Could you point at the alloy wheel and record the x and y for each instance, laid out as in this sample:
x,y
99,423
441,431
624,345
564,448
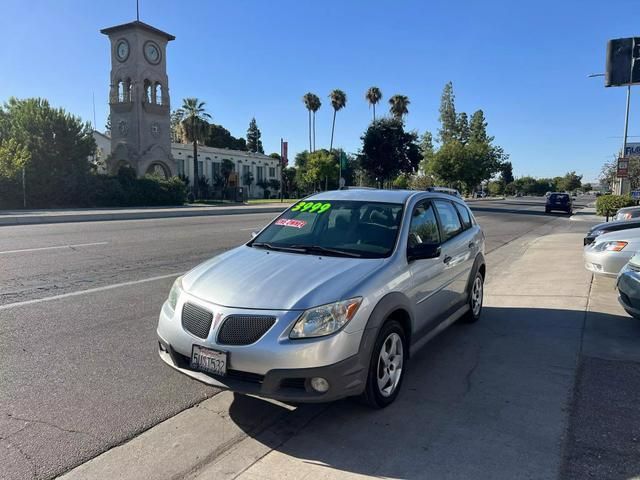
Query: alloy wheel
x,y
476,296
390,363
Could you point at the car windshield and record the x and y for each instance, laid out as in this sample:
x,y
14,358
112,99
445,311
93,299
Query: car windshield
x,y
335,228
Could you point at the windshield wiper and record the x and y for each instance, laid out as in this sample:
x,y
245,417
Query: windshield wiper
x,y
326,250
269,246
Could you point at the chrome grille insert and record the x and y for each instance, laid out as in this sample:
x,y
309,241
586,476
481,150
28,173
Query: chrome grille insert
x,y
244,329
196,320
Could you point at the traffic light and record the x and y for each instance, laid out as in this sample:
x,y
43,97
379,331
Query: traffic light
x,y
623,55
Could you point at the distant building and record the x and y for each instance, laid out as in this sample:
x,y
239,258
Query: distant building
x,y
260,166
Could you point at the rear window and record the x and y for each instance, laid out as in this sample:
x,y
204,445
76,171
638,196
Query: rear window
x,y
464,214
559,196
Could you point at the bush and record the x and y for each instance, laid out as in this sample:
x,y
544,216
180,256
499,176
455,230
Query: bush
x,y
610,204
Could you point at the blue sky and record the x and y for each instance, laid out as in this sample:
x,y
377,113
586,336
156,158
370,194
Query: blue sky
x,y
524,63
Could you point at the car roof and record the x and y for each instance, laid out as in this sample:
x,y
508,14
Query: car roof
x,y
365,195
378,195
629,209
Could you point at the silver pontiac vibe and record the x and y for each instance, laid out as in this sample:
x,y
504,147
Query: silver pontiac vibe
x,y
330,299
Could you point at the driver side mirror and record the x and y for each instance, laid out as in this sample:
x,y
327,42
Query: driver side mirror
x,y
423,251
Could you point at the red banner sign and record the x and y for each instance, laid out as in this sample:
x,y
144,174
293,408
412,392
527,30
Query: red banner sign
x,y
623,168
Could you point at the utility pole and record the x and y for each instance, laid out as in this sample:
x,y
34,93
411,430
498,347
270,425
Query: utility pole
x,y
24,189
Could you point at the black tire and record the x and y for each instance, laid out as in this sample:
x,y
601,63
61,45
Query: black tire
x,y
373,395
473,315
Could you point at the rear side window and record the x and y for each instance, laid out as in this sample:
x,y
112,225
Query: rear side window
x,y
464,215
448,219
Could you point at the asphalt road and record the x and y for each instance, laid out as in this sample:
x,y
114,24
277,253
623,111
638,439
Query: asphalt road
x,y
79,371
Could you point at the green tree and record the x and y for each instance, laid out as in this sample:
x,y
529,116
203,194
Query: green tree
x,y
289,184
194,125
463,128
399,106
506,173
13,158
373,96
254,144
570,182
322,167
312,103
478,128
338,102
448,119
219,137
420,181
388,150
52,145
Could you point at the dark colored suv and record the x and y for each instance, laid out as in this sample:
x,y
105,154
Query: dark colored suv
x,y
559,201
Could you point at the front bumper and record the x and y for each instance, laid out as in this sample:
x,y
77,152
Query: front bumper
x,y
605,263
274,366
346,378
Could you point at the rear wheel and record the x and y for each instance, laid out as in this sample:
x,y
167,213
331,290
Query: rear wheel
x,y
386,369
476,297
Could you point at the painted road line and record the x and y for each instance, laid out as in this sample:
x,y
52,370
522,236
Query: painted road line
x,y
53,248
85,292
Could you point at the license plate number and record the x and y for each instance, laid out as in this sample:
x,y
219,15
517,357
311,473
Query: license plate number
x,y
209,361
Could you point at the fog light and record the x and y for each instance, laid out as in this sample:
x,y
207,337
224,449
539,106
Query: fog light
x,y
162,347
319,384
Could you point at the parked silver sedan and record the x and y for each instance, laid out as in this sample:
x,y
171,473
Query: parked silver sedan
x,y
627,213
330,299
611,251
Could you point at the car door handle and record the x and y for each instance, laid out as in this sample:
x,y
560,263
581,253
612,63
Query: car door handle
x,y
447,259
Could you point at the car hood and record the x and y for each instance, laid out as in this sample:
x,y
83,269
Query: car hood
x,y
627,235
255,278
616,225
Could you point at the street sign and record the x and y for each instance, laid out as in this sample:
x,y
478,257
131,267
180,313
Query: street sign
x,y
343,160
635,194
632,150
623,168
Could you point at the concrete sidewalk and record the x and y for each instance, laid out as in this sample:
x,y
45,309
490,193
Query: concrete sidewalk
x,y
31,217
488,400
588,214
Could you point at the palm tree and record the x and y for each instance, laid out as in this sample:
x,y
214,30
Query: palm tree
x,y
338,102
399,106
373,96
194,123
307,98
315,106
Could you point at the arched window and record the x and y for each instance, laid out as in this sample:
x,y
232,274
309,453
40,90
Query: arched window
x,y
127,90
158,93
120,91
147,91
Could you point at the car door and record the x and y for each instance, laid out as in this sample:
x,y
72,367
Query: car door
x,y
456,251
428,276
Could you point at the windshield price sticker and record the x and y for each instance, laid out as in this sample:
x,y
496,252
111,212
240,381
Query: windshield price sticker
x,y
289,222
311,207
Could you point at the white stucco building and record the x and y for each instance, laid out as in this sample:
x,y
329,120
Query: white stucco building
x,y
261,167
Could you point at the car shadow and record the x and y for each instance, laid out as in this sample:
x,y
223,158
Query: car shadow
x,y
514,211
487,400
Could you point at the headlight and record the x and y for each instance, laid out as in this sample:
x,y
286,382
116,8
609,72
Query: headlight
x,y
610,246
174,293
326,319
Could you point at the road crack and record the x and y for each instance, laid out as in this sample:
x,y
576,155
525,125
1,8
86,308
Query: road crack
x,y
29,460
52,425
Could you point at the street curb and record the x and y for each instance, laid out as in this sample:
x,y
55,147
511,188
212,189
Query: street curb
x,y
142,215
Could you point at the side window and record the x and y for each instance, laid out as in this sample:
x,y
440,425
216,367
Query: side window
x,y
449,220
424,226
464,215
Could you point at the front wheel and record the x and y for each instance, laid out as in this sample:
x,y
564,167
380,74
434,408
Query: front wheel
x,y
386,369
476,297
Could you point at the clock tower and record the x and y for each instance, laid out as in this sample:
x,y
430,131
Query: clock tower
x,y
139,100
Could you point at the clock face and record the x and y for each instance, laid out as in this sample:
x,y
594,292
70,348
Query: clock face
x,y
152,52
122,50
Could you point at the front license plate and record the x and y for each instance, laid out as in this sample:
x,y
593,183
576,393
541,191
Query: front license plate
x,y
209,361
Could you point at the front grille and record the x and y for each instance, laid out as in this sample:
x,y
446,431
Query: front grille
x,y
244,329
196,320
